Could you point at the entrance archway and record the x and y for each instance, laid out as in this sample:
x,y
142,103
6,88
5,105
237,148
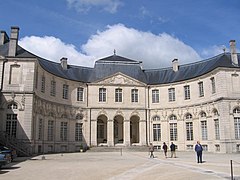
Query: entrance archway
x,y
134,129
118,130
101,129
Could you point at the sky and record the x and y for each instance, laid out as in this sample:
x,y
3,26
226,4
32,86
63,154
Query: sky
x,y
152,31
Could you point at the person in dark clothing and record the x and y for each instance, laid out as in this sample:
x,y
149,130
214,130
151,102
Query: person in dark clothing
x,y
199,149
165,149
151,150
173,148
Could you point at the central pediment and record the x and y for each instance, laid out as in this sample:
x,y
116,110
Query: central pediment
x,y
119,79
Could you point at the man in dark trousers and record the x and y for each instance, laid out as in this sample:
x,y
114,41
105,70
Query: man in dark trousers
x,y
151,149
173,148
165,149
199,149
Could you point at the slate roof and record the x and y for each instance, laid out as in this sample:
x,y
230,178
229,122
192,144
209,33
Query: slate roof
x,y
110,65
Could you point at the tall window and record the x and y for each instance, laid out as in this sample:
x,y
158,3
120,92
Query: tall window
x,y
78,132
50,130
100,129
236,113
187,92
213,85
63,131
102,94
12,106
118,95
11,125
204,130
155,96
134,95
53,88
189,131
79,94
65,91
201,90
216,124
173,131
43,84
40,129
156,132
171,94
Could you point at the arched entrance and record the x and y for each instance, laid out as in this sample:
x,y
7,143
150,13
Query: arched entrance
x,y
134,129
101,129
118,130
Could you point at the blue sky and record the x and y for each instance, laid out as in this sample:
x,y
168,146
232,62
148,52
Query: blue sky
x,y
152,31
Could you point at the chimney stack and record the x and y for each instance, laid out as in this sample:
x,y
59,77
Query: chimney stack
x,y
4,38
233,52
175,65
13,41
64,63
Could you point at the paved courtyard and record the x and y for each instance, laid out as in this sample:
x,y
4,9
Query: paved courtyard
x,y
117,166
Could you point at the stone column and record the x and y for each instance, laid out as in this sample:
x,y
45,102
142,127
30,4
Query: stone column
x,y
142,132
127,133
110,133
93,132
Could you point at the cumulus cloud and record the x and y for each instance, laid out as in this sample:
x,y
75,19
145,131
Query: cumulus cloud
x,y
213,50
110,6
155,51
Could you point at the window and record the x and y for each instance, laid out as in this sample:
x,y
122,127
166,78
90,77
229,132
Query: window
x,y
102,94
187,92
236,111
205,147
217,147
173,131
53,88
213,85
100,129
65,91
63,131
171,94
118,95
189,131
204,130
155,96
12,106
40,129
188,116
50,130
237,127
203,114
156,118
11,125
134,95
156,132
43,84
201,90
78,132
79,94
216,124
189,147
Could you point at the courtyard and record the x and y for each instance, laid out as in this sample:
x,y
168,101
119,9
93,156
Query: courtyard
x,y
121,165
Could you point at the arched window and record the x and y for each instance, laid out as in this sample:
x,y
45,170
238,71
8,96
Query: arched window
x,y
12,106
215,112
79,116
188,116
156,118
203,114
236,110
172,117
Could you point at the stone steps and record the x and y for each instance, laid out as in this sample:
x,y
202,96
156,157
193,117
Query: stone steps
x,y
119,149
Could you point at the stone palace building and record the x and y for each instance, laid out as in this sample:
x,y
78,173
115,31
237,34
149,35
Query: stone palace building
x,y
57,107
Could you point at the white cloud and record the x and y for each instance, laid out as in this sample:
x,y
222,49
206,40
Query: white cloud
x,y
85,5
54,49
155,51
213,51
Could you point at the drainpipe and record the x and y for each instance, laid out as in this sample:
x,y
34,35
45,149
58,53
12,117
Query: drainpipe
x,y
3,69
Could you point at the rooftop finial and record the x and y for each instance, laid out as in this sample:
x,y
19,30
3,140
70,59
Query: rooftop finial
x,y
114,52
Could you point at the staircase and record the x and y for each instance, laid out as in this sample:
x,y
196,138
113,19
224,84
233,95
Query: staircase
x,y
119,149
22,147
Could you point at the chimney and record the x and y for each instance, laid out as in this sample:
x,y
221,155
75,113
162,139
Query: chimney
x,y
4,38
175,65
233,52
13,41
64,63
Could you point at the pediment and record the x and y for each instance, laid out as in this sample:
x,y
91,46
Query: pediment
x,y
120,79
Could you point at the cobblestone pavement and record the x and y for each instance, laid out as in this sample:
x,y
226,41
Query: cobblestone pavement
x,y
117,166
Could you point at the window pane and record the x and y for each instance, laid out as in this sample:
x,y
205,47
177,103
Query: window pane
x,y
155,96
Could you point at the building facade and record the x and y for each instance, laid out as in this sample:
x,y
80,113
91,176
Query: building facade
x,y
56,107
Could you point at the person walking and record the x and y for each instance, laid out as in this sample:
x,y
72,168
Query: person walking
x,y
165,149
151,150
173,149
199,149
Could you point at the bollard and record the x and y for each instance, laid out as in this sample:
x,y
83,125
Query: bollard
x,y
121,151
231,169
